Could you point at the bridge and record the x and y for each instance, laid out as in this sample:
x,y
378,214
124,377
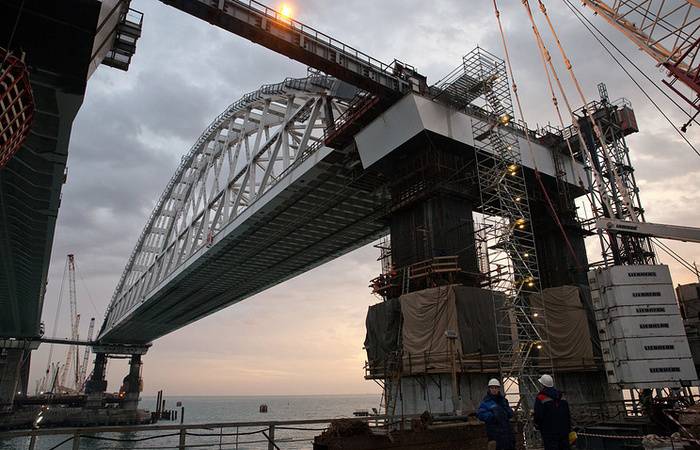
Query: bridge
x,y
295,174
262,196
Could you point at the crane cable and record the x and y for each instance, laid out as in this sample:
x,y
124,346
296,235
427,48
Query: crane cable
x,y
604,200
596,176
669,251
529,143
546,59
588,25
594,123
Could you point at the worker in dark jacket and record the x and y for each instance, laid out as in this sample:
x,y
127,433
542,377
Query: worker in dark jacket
x,y
496,413
552,416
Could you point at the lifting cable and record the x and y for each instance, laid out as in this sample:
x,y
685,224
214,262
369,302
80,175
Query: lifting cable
x,y
596,177
588,25
529,143
594,123
547,61
682,261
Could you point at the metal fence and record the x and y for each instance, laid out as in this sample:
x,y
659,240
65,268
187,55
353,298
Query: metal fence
x,y
273,435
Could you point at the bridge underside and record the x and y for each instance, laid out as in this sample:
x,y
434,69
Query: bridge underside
x,y
30,184
329,208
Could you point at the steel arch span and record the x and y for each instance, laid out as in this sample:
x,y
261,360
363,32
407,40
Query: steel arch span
x,y
251,148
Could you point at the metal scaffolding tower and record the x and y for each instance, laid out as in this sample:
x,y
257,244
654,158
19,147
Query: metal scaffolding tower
x,y
615,194
512,258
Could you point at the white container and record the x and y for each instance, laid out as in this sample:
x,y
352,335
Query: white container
x,y
656,373
650,348
659,294
631,275
644,326
642,310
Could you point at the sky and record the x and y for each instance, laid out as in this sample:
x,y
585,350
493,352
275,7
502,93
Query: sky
x,y
304,336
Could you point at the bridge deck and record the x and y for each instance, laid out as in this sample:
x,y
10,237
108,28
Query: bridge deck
x,y
319,212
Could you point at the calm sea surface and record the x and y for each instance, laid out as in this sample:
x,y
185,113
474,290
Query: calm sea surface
x,y
225,409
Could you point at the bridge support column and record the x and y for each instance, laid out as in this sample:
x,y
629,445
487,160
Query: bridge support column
x,y
10,375
132,384
96,386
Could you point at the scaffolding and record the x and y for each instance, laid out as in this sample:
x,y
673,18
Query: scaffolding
x,y
511,255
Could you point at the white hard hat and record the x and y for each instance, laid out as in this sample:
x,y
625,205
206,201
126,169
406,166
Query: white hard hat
x,y
494,382
546,380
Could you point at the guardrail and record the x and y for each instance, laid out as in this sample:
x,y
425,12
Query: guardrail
x,y
273,435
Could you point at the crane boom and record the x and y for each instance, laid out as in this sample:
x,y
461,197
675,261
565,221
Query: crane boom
x,y
667,30
674,232
269,28
72,354
86,355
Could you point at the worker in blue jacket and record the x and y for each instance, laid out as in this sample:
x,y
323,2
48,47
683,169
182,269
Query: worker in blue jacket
x,y
496,413
552,416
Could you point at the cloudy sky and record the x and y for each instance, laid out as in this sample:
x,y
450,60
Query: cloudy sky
x,y
305,336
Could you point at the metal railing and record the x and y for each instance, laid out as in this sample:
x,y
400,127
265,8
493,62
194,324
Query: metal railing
x,y
273,435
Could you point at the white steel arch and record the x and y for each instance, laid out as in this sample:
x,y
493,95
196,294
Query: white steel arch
x,y
244,152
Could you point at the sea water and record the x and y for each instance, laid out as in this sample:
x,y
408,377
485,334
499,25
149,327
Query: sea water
x,y
224,409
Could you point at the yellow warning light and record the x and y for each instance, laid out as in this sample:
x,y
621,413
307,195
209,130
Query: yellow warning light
x,y
539,346
504,119
526,255
520,221
530,284
536,315
513,167
517,199
286,10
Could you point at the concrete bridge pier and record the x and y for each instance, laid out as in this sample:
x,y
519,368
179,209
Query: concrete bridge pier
x,y
96,386
131,387
10,375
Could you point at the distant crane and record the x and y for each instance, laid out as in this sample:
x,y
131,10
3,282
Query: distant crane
x,y
86,356
72,354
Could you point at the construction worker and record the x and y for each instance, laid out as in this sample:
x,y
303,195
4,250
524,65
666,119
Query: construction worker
x,y
552,416
496,413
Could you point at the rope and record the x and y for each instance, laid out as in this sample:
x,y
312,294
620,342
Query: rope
x,y
238,433
148,438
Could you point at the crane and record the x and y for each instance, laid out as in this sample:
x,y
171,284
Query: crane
x,y
86,355
668,31
72,354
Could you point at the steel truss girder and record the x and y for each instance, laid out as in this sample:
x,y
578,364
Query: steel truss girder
x,y
244,152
